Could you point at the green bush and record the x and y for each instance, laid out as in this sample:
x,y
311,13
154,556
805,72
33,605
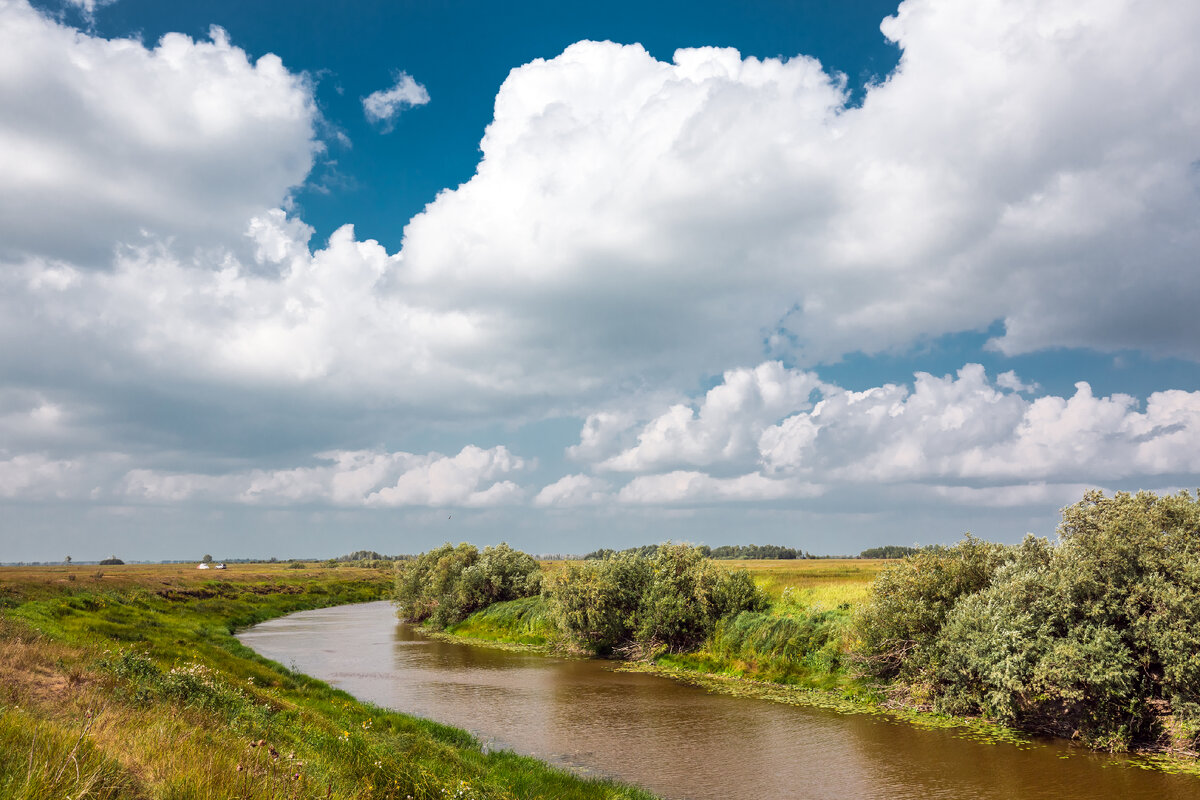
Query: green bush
x,y
898,626
443,586
1097,637
669,600
597,603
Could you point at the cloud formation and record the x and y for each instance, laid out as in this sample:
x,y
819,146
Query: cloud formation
x,y
962,436
384,105
632,223
472,478
633,227
107,141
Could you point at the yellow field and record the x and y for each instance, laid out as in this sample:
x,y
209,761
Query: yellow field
x,y
808,582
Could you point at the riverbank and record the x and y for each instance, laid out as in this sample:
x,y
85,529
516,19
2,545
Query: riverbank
x,y
795,653
127,682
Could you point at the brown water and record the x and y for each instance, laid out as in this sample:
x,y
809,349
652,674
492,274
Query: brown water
x,y
679,741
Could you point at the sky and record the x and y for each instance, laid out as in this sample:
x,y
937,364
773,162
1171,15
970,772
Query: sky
x,y
307,278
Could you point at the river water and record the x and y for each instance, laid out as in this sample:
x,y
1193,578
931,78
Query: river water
x,y
679,741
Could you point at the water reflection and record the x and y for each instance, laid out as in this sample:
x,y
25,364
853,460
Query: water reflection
x,y
679,741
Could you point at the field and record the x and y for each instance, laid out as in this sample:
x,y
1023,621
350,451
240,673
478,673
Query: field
x,y
824,582
126,682
802,639
827,580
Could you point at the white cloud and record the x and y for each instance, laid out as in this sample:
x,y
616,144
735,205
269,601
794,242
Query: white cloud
x,y
727,425
103,141
960,435
1030,162
39,476
684,486
632,224
472,478
962,428
88,7
1009,380
574,490
386,104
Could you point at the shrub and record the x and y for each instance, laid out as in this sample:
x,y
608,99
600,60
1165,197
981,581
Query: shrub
x,y
597,603
670,600
898,626
1097,637
445,585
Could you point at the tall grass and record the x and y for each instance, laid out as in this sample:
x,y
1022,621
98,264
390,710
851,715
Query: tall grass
x,y
528,621
180,709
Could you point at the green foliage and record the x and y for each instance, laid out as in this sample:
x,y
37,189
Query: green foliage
x,y
527,621
889,551
727,551
899,625
670,600
597,602
797,648
443,586
757,551
1096,638
191,713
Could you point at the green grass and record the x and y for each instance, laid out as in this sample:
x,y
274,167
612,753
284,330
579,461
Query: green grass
x,y
133,686
527,621
801,640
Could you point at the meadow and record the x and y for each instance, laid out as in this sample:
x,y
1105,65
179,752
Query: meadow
x,y
127,682
800,639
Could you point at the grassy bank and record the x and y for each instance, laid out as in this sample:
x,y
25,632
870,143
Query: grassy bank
x,y
127,682
800,640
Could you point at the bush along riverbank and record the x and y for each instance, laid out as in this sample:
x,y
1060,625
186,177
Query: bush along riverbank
x,y
1094,638
128,683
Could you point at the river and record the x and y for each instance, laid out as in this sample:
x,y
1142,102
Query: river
x,y
679,741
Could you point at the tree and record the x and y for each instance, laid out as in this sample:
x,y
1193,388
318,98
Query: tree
x,y
67,560
207,559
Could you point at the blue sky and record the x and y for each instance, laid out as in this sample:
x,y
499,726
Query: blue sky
x,y
308,278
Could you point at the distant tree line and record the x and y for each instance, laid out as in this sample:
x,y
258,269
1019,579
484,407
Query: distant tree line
x,y
724,552
889,551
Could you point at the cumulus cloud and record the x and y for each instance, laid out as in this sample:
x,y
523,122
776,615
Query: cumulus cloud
x,y
685,486
574,490
40,476
633,224
475,477
104,141
727,425
1026,162
385,105
961,436
962,428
